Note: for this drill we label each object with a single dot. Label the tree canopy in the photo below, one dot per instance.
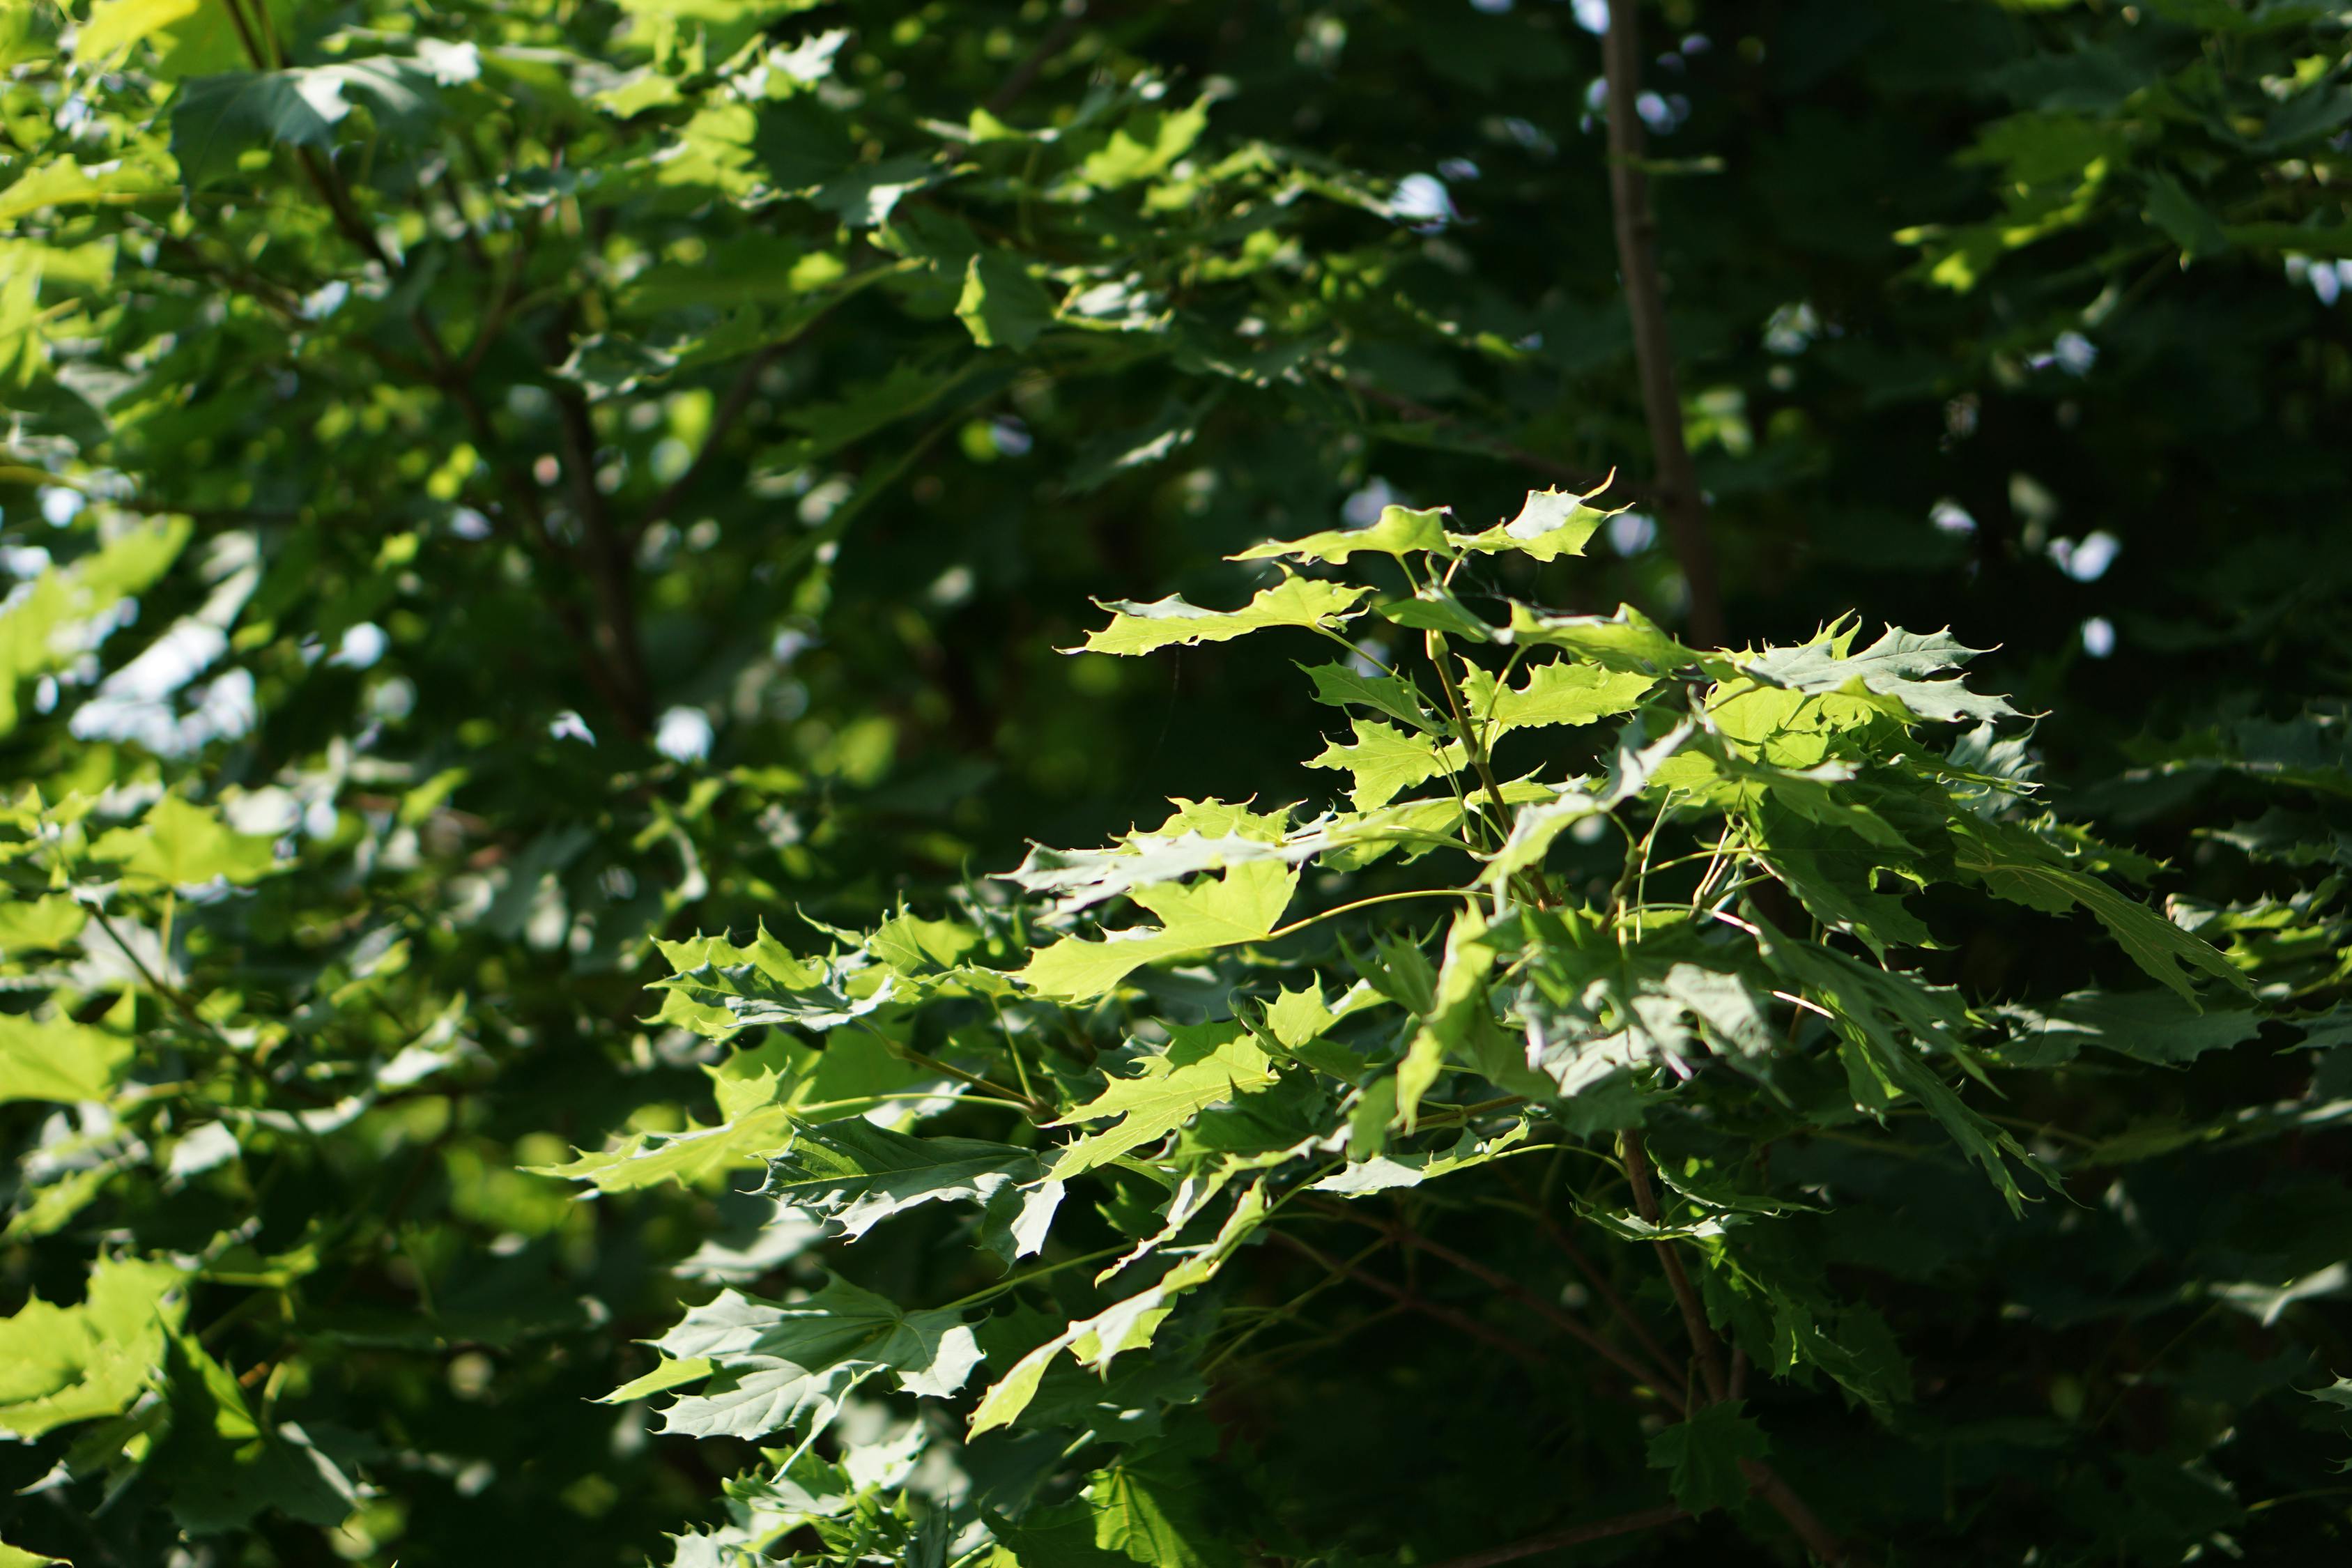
(569, 564)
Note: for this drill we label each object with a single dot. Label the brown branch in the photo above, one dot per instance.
(1762, 1479)
(1575, 478)
(246, 36)
(1766, 1483)
(471, 241)
(1591, 1272)
(1657, 1379)
(1459, 1321)
(722, 419)
(1702, 1337)
(1682, 506)
(1574, 1535)
(610, 570)
(1057, 37)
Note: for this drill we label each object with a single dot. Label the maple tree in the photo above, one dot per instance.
(540, 538)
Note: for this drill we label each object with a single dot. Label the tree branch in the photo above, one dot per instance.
(1575, 478)
(1762, 1479)
(1574, 1535)
(1591, 1272)
(1653, 1378)
(1680, 503)
(1057, 37)
(607, 558)
(1459, 1321)
(1702, 1337)
(722, 419)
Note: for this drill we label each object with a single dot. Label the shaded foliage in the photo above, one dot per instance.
(496, 492)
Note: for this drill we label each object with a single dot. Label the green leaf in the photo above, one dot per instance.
(1080, 879)
(42, 924)
(774, 986)
(61, 1060)
(1551, 524)
(1338, 686)
(32, 622)
(1243, 905)
(1458, 1011)
(63, 1364)
(1888, 1020)
(1559, 693)
(1148, 1509)
(1701, 1455)
(1385, 762)
(1294, 602)
(1399, 532)
(613, 364)
(1062, 1536)
(1895, 666)
(1203, 1065)
(1146, 145)
(786, 1367)
(1435, 609)
(1115, 453)
(216, 118)
(1383, 1173)
(1834, 874)
(2147, 1025)
(689, 1158)
(1627, 641)
(115, 25)
(2013, 863)
(180, 844)
(857, 1174)
(17, 1557)
(2183, 219)
(1002, 306)
(222, 1467)
(1125, 1326)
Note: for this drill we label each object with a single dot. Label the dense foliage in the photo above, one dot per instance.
(508, 505)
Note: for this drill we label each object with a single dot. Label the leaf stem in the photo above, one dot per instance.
(1036, 1107)
(1014, 1282)
(1434, 644)
(1299, 925)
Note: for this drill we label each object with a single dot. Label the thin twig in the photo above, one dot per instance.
(1582, 482)
(730, 409)
(1459, 1321)
(1762, 1479)
(1574, 1535)
(611, 573)
(1609, 1295)
(1058, 38)
(1656, 1379)
(1679, 498)
(1434, 644)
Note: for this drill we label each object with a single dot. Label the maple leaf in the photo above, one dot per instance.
(1243, 905)
(776, 1366)
(857, 1174)
(1204, 1065)
(1553, 523)
(1172, 622)
(1386, 761)
(1397, 530)
(1895, 666)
